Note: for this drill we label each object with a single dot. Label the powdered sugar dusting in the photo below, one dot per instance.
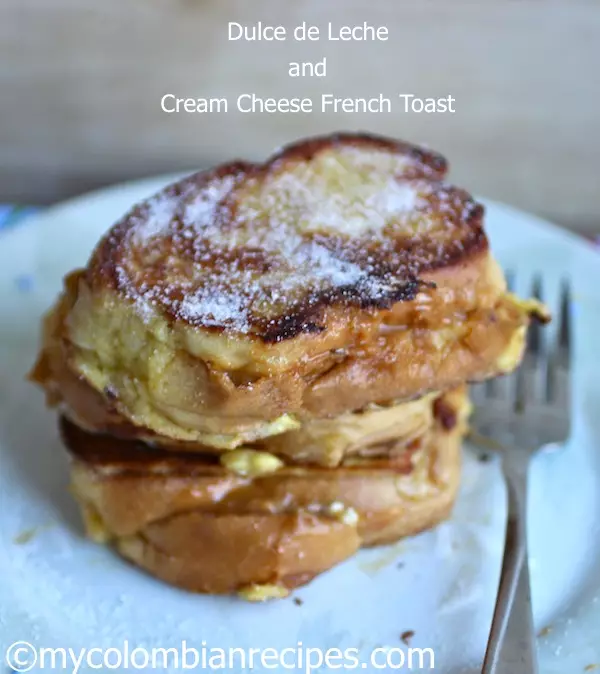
(198, 213)
(156, 217)
(318, 260)
(339, 194)
(234, 298)
(265, 248)
(195, 207)
(226, 308)
(394, 199)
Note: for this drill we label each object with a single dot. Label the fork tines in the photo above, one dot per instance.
(534, 335)
(564, 326)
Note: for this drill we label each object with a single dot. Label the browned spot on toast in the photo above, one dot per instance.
(445, 414)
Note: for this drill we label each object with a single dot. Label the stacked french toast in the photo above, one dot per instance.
(263, 367)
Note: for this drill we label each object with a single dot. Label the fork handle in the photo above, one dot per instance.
(511, 647)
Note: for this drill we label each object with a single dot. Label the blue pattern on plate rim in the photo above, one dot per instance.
(10, 214)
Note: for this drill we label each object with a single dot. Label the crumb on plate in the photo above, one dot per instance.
(406, 636)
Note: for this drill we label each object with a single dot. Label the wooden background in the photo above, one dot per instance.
(81, 82)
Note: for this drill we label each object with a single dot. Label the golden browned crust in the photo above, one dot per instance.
(265, 249)
(193, 523)
(424, 161)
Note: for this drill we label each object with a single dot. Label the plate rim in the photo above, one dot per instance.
(557, 233)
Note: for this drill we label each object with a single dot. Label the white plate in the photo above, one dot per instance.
(57, 589)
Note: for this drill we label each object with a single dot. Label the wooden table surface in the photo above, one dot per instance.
(81, 83)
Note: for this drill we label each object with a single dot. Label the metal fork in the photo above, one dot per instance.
(517, 415)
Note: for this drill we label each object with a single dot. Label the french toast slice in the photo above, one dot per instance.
(239, 302)
(267, 253)
(194, 523)
(325, 441)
